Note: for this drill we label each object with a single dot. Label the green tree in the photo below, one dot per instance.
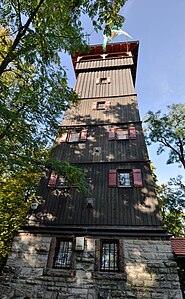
(169, 131)
(14, 205)
(171, 197)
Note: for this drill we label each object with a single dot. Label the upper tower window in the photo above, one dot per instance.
(125, 178)
(103, 105)
(103, 80)
(56, 181)
(122, 133)
(100, 105)
(74, 136)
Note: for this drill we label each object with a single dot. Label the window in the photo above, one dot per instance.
(109, 255)
(125, 178)
(73, 136)
(103, 80)
(57, 182)
(61, 182)
(100, 105)
(63, 254)
(103, 105)
(122, 133)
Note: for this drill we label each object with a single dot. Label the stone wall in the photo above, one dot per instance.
(148, 272)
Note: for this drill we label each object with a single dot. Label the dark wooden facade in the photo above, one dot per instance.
(104, 209)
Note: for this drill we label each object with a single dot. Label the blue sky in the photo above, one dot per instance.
(159, 26)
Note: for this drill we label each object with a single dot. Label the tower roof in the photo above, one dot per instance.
(113, 51)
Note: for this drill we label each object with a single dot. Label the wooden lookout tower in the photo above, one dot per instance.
(108, 242)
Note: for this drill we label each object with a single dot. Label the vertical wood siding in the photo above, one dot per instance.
(122, 110)
(110, 150)
(112, 206)
(121, 83)
(116, 206)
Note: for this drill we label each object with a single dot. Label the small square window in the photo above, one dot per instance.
(103, 80)
(100, 105)
(61, 182)
(124, 178)
(63, 254)
(74, 136)
(109, 259)
(56, 181)
(122, 134)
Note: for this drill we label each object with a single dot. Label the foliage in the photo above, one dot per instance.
(15, 190)
(75, 176)
(169, 131)
(171, 197)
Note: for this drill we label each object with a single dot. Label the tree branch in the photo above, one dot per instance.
(180, 155)
(21, 32)
(181, 152)
(19, 14)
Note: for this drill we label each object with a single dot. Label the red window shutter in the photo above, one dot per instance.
(83, 136)
(132, 132)
(138, 182)
(112, 178)
(111, 134)
(52, 179)
(94, 106)
(107, 105)
(63, 138)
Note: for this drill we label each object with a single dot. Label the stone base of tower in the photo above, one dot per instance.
(147, 270)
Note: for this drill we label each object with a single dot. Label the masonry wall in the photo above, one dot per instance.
(148, 271)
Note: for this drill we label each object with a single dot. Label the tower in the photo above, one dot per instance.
(109, 241)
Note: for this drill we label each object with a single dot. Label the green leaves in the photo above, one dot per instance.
(169, 131)
(14, 204)
(171, 197)
(73, 174)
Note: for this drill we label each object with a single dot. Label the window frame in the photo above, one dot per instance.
(116, 255)
(71, 138)
(99, 107)
(66, 137)
(53, 181)
(57, 251)
(128, 132)
(103, 80)
(130, 177)
(136, 177)
(124, 132)
(106, 105)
